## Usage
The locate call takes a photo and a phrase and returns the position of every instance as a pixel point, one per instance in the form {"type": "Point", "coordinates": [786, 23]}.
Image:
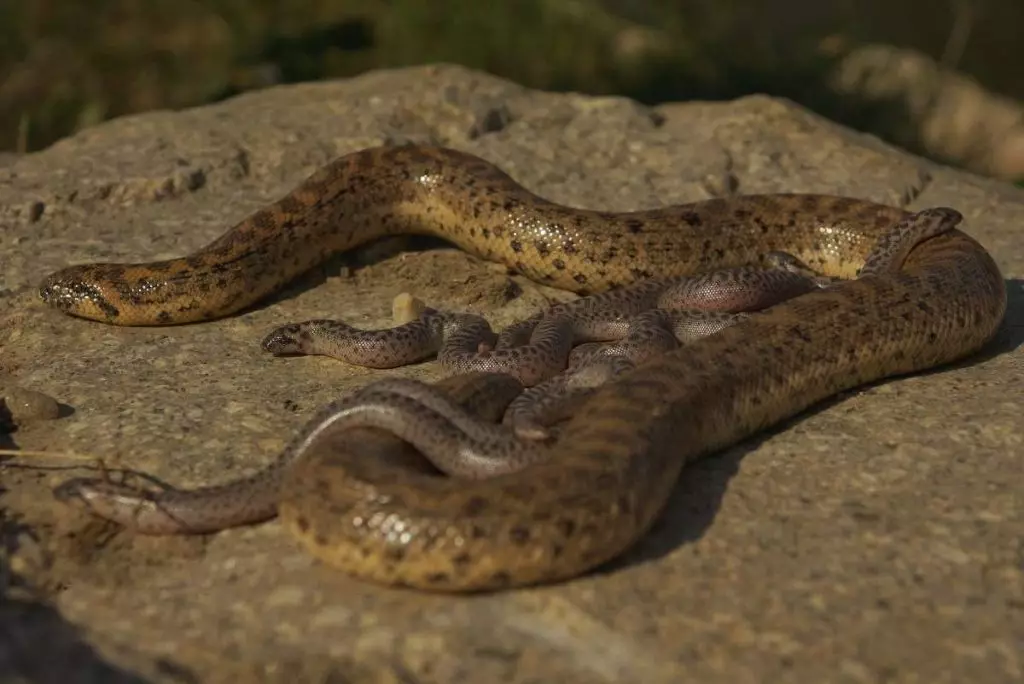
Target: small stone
{"type": "Point", "coordinates": [20, 407]}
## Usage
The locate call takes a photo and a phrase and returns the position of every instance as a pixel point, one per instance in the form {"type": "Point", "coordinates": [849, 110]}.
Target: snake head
{"type": "Point", "coordinates": [74, 291]}
{"type": "Point", "coordinates": [288, 340]}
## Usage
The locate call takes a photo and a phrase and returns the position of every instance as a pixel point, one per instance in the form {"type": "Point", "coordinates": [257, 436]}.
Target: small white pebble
{"type": "Point", "coordinates": [406, 308]}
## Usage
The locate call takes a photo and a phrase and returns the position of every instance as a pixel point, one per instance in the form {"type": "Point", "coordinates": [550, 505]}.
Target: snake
{"type": "Point", "coordinates": [401, 408]}
{"type": "Point", "coordinates": [677, 309]}
{"type": "Point", "coordinates": [910, 299]}
{"type": "Point", "coordinates": [453, 426]}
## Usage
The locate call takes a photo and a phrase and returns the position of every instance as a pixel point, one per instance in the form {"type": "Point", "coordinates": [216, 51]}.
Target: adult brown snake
{"type": "Point", "coordinates": [618, 457]}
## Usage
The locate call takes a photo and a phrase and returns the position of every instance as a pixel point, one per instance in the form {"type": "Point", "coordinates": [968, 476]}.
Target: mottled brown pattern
{"type": "Point", "coordinates": [384, 519]}
{"type": "Point", "coordinates": [414, 189]}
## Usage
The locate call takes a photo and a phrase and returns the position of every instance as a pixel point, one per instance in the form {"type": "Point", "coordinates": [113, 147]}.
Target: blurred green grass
{"type": "Point", "coordinates": [68, 64]}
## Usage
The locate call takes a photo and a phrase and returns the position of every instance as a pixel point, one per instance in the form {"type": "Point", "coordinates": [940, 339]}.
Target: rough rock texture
{"type": "Point", "coordinates": [876, 539]}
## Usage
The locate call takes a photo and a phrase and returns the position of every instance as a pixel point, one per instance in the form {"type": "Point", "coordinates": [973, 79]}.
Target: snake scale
{"type": "Point", "coordinates": [360, 502]}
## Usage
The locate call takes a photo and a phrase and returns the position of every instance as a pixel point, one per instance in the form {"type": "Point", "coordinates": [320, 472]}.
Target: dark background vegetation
{"type": "Point", "coordinates": [68, 64]}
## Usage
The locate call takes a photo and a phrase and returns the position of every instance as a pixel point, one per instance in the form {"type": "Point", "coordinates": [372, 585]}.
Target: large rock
{"type": "Point", "coordinates": [876, 539]}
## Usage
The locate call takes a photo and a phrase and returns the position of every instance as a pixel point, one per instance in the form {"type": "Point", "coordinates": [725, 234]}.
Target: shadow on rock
{"type": "Point", "coordinates": [696, 499]}
{"type": "Point", "coordinates": [1008, 338]}
{"type": "Point", "coordinates": [37, 644]}
{"type": "Point", "coordinates": [1011, 332]}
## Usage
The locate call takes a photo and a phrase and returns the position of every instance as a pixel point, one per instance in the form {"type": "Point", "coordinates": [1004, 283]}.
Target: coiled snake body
{"type": "Point", "coordinates": [618, 457]}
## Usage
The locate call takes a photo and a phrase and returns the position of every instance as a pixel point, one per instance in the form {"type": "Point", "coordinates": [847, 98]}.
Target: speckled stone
{"type": "Point", "coordinates": [877, 539]}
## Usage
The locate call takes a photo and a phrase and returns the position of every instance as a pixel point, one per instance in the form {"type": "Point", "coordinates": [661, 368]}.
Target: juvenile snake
{"type": "Point", "coordinates": [620, 453]}
{"type": "Point", "coordinates": [539, 347]}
